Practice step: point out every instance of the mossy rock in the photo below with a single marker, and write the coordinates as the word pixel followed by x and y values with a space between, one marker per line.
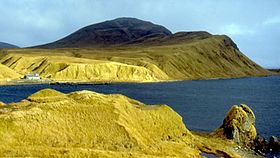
pixel 239 125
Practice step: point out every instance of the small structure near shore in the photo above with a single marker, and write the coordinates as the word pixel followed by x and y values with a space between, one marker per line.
pixel 34 76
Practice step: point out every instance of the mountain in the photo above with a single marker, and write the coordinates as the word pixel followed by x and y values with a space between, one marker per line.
pixel 123 32
pixel 132 50
pixel 7 45
pixel 108 33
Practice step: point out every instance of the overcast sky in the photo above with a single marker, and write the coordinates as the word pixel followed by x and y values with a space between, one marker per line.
pixel 253 24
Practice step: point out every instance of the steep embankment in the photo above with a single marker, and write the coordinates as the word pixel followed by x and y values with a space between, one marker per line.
pixel 6 73
pixel 60 68
pixel 84 123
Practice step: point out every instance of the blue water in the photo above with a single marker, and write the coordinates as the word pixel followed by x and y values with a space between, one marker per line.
pixel 202 104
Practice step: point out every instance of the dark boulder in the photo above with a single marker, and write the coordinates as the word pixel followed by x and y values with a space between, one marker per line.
pixel 274 143
pixel 261 145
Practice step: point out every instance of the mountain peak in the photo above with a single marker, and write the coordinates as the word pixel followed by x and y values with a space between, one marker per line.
pixel 108 33
pixel 125 19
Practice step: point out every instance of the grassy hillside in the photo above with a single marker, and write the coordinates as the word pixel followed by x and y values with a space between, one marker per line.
pixel 184 59
pixel 6 73
pixel 89 124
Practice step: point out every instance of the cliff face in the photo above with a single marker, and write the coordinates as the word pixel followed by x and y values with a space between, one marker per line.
pixel 75 69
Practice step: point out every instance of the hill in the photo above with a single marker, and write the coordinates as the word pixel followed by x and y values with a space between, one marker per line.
pixel 200 58
pixel 7 45
pixel 109 33
pixel 88 124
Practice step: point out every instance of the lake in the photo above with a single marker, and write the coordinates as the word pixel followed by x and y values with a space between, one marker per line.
pixel 202 104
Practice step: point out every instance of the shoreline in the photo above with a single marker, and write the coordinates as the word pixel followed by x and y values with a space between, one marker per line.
pixel 50 82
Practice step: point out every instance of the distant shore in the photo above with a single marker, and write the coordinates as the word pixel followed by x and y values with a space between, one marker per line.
pixel 275 71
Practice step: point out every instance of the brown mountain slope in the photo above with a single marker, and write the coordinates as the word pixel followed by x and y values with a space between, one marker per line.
pixel 109 33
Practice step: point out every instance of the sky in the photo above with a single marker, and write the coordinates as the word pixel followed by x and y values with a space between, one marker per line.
pixel 254 25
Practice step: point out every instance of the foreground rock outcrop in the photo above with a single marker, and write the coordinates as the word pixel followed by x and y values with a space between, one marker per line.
pixel 239 125
pixel 81 124
pixel 50 123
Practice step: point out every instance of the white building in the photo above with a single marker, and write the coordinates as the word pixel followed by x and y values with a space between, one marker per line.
pixel 34 76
